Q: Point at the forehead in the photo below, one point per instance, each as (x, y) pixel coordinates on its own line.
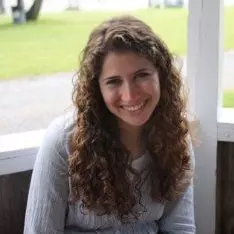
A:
(123, 63)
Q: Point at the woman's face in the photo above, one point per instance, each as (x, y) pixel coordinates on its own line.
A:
(130, 87)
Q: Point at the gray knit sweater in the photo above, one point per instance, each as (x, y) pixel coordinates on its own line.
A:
(50, 212)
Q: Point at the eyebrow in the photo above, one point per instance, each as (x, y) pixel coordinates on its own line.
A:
(111, 78)
(117, 77)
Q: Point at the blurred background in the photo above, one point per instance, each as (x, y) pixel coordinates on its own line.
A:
(41, 41)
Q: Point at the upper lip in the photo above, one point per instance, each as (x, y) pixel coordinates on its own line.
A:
(132, 105)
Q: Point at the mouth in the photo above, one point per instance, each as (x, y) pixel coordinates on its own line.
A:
(135, 108)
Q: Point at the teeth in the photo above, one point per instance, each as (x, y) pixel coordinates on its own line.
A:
(134, 108)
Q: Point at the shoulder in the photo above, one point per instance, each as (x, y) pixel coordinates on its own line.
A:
(58, 133)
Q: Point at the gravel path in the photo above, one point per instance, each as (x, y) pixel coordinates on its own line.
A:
(32, 103)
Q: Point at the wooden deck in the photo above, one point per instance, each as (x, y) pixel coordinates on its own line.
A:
(225, 189)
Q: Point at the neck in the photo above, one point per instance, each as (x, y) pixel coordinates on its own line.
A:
(131, 138)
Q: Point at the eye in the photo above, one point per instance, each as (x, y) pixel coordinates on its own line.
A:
(113, 82)
(142, 75)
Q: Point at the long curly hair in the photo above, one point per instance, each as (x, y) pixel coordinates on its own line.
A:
(99, 164)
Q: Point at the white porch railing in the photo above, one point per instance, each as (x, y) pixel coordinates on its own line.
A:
(18, 150)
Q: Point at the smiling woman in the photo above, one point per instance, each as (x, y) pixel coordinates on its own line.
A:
(130, 87)
(123, 161)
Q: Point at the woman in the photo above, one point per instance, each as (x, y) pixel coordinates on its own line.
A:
(122, 163)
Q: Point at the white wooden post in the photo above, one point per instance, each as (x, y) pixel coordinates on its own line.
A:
(205, 31)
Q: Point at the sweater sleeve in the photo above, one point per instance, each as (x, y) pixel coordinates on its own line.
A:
(48, 193)
(178, 217)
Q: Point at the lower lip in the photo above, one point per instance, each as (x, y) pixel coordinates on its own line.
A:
(138, 110)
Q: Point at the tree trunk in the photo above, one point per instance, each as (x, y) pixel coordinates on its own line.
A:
(20, 4)
(13, 199)
(2, 9)
(33, 12)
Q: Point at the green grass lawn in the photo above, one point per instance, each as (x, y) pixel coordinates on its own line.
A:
(54, 42)
(228, 98)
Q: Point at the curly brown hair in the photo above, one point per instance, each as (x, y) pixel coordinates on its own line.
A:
(99, 164)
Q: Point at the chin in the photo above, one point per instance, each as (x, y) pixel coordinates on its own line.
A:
(137, 123)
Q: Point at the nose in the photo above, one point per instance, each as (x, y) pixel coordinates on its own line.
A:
(130, 93)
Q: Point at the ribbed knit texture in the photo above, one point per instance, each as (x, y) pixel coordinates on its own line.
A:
(50, 212)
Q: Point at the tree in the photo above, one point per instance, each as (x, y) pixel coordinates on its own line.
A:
(33, 12)
(2, 9)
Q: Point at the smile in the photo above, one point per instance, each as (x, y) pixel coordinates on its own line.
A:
(135, 107)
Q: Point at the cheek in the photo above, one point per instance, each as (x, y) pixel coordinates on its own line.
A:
(157, 90)
(153, 89)
(109, 97)
(156, 87)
